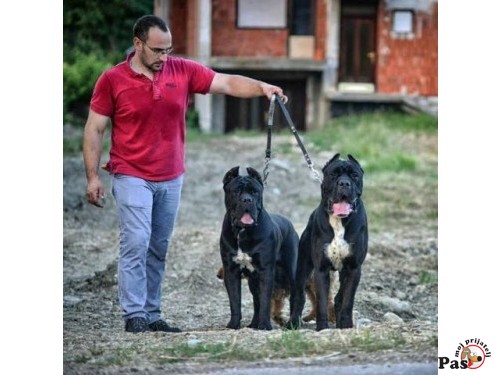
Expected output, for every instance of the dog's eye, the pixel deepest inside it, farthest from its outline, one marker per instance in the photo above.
(354, 175)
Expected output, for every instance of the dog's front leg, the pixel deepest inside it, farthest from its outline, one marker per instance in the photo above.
(253, 284)
(266, 282)
(344, 300)
(322, 280)
(232, 281)
(304, 270)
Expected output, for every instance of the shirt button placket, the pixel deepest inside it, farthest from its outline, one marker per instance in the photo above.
(156, 88)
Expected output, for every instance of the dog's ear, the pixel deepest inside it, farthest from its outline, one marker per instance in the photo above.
(465, 353)
(230, 175)
(254, 174)
(355, 161)
(335, 157)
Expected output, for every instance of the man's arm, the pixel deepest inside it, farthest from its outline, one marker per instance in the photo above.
(93, 135)
(243, 87)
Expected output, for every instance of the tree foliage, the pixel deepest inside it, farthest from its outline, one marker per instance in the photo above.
(101, 27)
(96, 36)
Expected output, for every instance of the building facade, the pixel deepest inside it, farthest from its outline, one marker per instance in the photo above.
(324, 53)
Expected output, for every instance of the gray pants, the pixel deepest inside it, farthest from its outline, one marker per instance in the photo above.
(147, 211)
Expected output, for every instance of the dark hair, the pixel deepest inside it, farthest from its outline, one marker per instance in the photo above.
(143, 24)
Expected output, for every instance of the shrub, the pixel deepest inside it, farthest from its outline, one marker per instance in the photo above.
(79, 79)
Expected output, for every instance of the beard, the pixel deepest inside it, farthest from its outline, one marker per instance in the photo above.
(153, 67)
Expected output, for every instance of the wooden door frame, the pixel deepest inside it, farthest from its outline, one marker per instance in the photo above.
(357, 56)
(358, 9)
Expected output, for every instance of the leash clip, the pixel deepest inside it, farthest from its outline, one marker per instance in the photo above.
(315, 174)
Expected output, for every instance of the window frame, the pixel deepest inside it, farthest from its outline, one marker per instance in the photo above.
(402, 33)
(264, 7)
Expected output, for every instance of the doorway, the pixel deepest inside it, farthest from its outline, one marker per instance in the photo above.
(357, 42)
(252, 114)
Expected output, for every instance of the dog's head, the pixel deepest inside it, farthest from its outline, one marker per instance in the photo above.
(466, 353)
(342, 185)
(243, 196)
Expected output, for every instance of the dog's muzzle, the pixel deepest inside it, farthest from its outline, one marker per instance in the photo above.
(246, 207)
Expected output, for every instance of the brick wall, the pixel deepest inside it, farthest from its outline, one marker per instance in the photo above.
(408, 66)
(177, 24)
(228, 40)
(321, 20)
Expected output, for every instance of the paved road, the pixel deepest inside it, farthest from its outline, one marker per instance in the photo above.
(396, 369)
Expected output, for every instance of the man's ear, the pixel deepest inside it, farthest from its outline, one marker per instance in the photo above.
(137, 43)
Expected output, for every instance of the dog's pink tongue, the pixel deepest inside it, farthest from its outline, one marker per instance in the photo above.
(246, 219)
(342, 209)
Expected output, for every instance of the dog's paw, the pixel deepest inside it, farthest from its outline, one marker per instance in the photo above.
(265, 326)
(233, 324)
(344, 323)
(293, 325)
(321, 326)
(253, 324)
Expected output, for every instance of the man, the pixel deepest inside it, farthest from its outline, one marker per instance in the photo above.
(146, 97)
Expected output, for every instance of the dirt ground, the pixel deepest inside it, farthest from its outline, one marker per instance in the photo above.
(391, 295)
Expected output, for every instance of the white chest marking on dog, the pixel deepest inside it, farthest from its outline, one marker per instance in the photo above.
(338, 249)
(244, 260)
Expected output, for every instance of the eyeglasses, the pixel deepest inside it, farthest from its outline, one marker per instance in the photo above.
(159, 51)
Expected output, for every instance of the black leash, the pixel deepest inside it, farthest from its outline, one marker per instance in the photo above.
(315, 174)
(270, 117)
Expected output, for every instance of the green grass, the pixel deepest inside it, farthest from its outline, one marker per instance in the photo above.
(369, 342)
(398, 153)
(288, 344)
(196, 135)
(291, 344)
(383, 141)
(428, 277)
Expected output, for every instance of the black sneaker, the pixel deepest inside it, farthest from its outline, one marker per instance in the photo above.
(161, 325)
(136, 325)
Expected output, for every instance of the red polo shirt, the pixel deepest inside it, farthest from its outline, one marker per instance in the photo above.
(148, 117)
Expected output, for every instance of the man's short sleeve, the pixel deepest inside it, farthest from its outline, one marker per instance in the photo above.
(201, 77)
(102, 97)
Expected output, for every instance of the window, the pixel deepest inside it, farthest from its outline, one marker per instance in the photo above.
(402, 22)
(302, 22)
(262, 13)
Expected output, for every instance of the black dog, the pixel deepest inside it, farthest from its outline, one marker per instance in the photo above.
(335, 238)
(256, 244)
